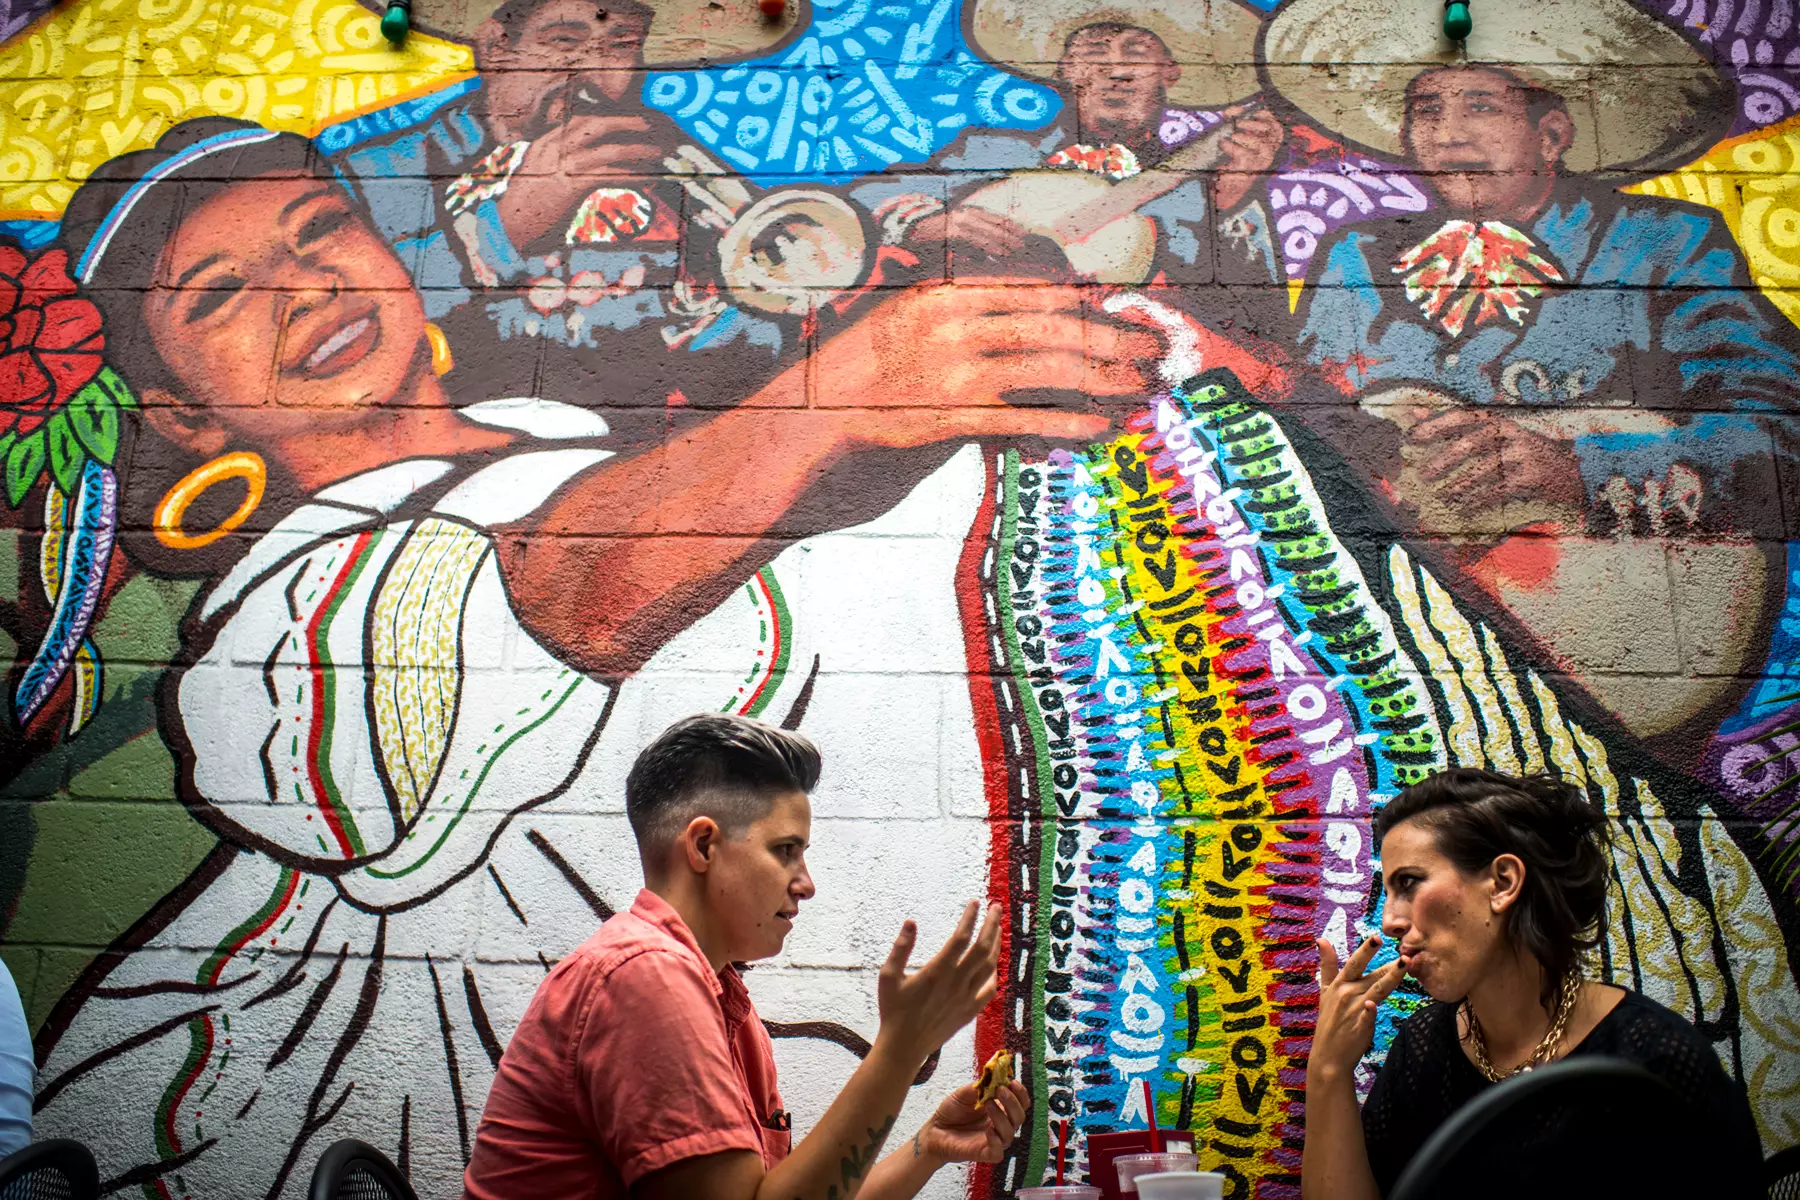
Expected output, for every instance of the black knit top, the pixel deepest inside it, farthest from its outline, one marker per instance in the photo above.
(1427, 1077)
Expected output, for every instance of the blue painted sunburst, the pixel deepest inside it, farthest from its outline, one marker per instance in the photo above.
(866, 85)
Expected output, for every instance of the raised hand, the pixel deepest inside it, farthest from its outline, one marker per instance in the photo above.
(953, 355)
(919, 1011)
(1348, 1000)
(1247, 153)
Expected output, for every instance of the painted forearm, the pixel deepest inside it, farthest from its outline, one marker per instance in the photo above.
(732, 477)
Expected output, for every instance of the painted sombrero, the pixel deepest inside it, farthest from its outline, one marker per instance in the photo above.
(1213, 40)
(682, 31)
(1638, 92)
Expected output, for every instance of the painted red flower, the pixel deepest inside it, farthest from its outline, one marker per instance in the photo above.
(50, 338)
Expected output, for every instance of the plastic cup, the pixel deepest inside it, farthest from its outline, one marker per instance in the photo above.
(1133, 1166)
(1051, 1191)
(1181, 1185)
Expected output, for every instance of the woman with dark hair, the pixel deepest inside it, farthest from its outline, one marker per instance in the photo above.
(418, 623)
(1496, 890)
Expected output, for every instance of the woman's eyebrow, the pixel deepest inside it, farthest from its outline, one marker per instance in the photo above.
(198, 267)
(303, 198)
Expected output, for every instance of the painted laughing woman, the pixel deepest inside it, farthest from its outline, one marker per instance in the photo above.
(395, 696)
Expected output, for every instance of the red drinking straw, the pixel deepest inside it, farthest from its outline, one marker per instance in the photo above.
(1150, 1111)
(1062, 1151)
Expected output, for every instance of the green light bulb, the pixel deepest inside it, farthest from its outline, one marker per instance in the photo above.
(396, 20)
(1457, 21)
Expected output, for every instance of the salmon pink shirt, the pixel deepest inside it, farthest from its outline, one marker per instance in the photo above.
(634, 1054)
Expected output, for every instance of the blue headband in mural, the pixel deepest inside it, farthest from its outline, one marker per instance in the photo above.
(121, 211)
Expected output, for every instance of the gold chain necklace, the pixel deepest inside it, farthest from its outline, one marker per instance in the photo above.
(1546, 1049)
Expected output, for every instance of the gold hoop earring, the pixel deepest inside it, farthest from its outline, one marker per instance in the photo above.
(441, 358)
(173, 507)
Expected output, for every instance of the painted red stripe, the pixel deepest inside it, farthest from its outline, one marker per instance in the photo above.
(316, 732)
(774, 643)
(990, 1027)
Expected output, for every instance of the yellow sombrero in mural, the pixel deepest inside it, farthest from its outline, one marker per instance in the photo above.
(1639, 93)
(1214, 41)
(681, 31)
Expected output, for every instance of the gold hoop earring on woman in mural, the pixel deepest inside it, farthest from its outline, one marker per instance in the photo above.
(441, 359)
(173, 507)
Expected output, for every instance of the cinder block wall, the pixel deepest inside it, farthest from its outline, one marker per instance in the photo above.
(1134, 441)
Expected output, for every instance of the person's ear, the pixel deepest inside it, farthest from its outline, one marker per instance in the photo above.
(1171, 74)
(699, 841)
(1506, 881)
(185, 425)
(1556, 133)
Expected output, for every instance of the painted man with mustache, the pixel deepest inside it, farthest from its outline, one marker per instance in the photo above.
(536, 209)
(1133, 107)
(1569, 382)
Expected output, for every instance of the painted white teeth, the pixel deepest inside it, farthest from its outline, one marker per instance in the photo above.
(337, 341)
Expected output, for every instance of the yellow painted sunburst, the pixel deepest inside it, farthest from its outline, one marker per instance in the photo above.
(96, 79)
(1753, 181)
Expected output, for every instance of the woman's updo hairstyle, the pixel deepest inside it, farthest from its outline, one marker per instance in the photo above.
(1476, 816)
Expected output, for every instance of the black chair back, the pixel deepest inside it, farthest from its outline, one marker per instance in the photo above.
(353, 1170)
(1781, 1174)
(1581, 1128)
(57, 1169)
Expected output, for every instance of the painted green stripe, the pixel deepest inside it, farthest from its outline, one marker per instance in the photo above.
(784, 626)
(327, 682)
(469, 796)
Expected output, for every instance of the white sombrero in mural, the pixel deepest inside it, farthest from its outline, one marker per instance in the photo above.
(682, 31)
(1637, 91)
(1214, 41)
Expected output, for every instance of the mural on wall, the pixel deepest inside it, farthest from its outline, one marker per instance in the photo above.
(1135, 441)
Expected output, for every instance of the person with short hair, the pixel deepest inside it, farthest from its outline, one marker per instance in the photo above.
(1496, 889)
(641, 1066)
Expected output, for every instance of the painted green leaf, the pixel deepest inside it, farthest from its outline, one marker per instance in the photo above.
(23, 464)
(96, 424)
(109, 384)
(67, 455)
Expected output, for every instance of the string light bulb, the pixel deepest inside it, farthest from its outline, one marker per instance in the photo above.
(1457, 21)
(396, 21)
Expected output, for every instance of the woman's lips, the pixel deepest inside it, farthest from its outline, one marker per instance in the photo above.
(343, 348)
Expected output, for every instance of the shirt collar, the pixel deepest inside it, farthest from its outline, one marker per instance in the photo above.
(727, 985)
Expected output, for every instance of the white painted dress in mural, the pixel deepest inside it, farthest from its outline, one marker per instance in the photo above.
(430, 807)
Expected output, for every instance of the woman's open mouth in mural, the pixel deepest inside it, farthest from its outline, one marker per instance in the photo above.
(336, 348)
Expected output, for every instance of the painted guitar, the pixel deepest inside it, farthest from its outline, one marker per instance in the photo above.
(1094, 220)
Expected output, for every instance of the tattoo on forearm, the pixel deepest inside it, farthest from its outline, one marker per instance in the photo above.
(917, 1152)
(852, 1168)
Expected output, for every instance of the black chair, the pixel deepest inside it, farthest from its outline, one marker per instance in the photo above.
(353, 1170)
(1582, 1128)
(57, 1169)
(1781, 1174)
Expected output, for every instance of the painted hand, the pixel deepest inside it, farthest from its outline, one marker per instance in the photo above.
(1248, 152)
(986, 233)
(960, 1132)
(1347, 1003)
(565, 164)
(1479, 462)
(943, 362)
